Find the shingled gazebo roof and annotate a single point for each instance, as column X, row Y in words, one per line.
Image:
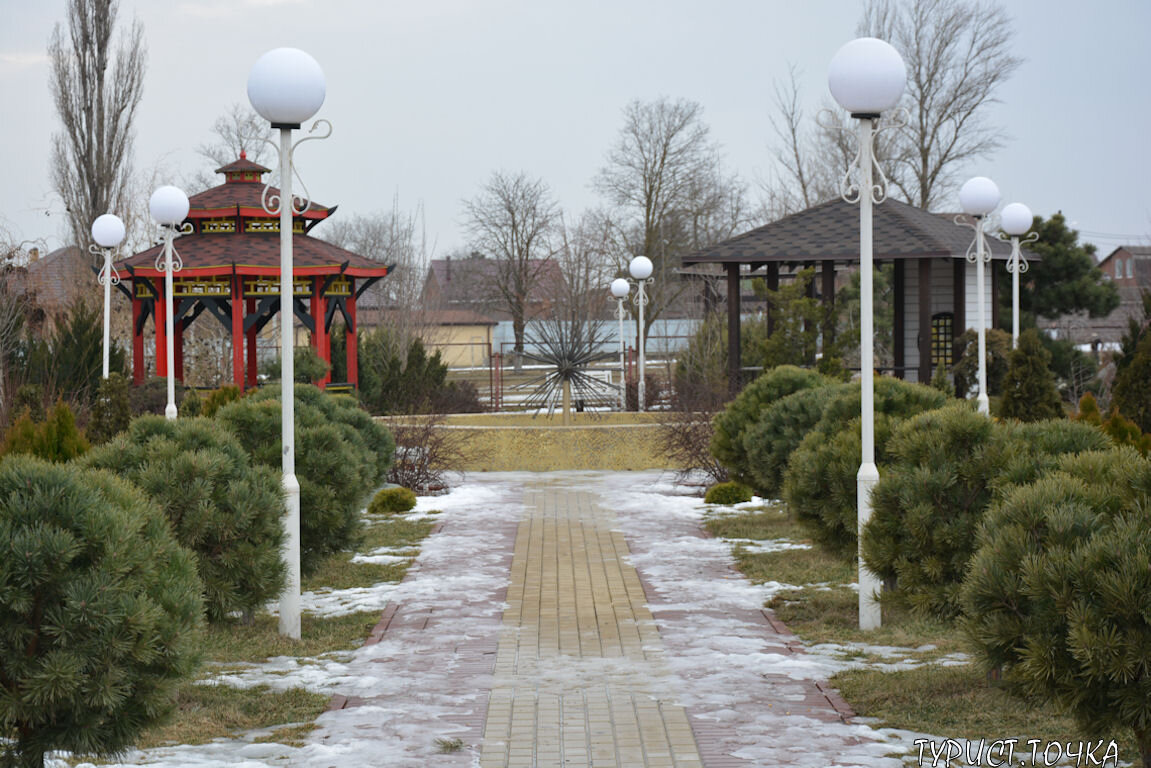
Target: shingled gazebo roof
column 830, row 232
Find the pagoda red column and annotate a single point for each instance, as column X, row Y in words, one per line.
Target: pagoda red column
column 250, row 308
column 320, row 339
column 160, row 317
column 351, row 342
column 237, row 332
column 178, row 350
column 138, row 372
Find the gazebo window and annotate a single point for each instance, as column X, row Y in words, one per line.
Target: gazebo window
column 942, row 338
column 218, row 225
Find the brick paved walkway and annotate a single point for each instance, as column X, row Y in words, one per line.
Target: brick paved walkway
column 593, row 663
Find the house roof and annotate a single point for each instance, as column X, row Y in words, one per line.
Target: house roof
column 457, row 317
column 57, row 278
column 830, row 231
column 474, row 280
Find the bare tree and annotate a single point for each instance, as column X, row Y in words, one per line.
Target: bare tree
column 96, row 92
column 396, row 239
column 670, row 195
column 512, row 220
column 958, row 53
column 13, row 308
column 238, row 130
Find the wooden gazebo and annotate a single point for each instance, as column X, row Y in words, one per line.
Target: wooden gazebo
column 231, row 270
column 935, row 297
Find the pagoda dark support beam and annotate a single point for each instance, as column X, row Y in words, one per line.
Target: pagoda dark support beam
column 336, row 303
column 302, row 312
column 264, row 312
column 370, row 281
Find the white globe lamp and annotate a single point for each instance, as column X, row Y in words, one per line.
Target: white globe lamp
column 286, row 86
column 168, row 205
column 979, row 196
column 620, row 288
column 640, row 268
column 867, row 76
column 1016, row 219
column 108, row 230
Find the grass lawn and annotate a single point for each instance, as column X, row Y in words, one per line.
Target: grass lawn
column 205, row 711
column 946, row 701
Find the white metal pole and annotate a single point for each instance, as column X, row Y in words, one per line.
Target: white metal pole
column 107, row 281
column 640, row 387
column 984, row 404
column 620, row 312
column 868, row 476
column 1015, row 292
column 290, row 598
column 170, row 409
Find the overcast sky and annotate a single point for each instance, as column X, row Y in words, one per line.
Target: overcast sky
column 428, row 97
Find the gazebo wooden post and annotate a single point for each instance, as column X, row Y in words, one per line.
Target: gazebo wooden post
column 899, row 318
column 251, row 378
column 320, row 339
column 178, row 349
column 238, row 331
column 734, row 367
column 925, row 367
column 772, row 285
column 827, row 289
column 959, row 267
column 138, row 372
column 351, row 342
column 159, row 317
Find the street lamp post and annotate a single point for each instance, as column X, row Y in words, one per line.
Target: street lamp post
column 108, row 232
column 640, row 269
column 1016, row 219
column 286, row 87
column 169, row 207
column 866, row 77
column 979, row 196
column 619, row 290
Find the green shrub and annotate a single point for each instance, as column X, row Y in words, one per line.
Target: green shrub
column 342, row 455
column 746, row 409
column 1029, row 392
column 192, row 405
column 769, row 442
column 727, row 493
column 945, row 469
column 99, row 610
column 1058, row 595
column 307, row 366
column 218, row 398
column 391, row 501
column 966, row 369
column 1121, row 431
column 152, row 396
column 225, row 509
column 820, row 485
column 1131, row 394
column 55, row 439
column 111, row 411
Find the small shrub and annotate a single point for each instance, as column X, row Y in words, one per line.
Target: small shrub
column 769, row 442
column 342, row 455
column 1029, row 392
column 152, row 396
column 218, row 398
column 966, row 370
column 1121, row 431
column 425, row 452
column 308, row 366
column 111, row 411
column 745, row 410
column 98, row 613
column 1058, row 595
column 391, row 501
column 56, row 439
column 728, row 493
column 223, row 508
column 941, row 380
column 946, row 467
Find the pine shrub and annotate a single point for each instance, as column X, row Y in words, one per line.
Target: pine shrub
column 770, row 441
column 966, row 368
column 820, row 486
column 342, row 455
column 1132, row 392
column 218, row 398
column 1121, row 431
column 1029, row 392
column 391, row 501
column 99, row 610
column 111, row 411
column 55, row 439
column 727, row 493
column 1058, row 595
column 746, row 409
column 222, row 507
column 946, row 467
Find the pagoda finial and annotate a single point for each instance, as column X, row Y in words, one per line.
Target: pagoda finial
column 243, row 155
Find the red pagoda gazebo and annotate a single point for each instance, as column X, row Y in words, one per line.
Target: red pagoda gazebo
column 231, row 269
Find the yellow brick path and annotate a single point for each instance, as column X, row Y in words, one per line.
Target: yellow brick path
column 579, row 677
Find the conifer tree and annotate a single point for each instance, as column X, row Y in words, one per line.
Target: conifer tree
column 1029, row 392
column 99, row 608
column 1132, row 393
column 222, row 507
